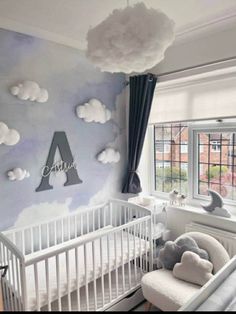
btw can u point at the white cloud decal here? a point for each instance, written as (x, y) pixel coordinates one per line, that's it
(109, 155)
(93, 111)
(133, 39)
(29, 90)
(18, 174)
(8, 136)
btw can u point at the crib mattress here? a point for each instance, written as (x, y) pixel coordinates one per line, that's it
(86, 270)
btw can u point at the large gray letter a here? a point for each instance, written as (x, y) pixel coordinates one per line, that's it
(60, 141)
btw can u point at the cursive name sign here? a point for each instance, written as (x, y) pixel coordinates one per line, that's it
(58, 167)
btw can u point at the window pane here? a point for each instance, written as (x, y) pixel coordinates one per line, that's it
(216, 168)
(171, 157)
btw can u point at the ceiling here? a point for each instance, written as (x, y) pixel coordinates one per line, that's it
(67, 21)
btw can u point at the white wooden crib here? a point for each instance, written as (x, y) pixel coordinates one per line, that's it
(87, 260)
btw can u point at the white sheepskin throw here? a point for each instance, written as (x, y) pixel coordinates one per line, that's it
(133, 39)
(193, 269)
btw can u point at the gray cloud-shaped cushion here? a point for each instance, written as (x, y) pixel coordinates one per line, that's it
(173, 251)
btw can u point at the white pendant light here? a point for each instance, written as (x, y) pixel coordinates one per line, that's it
(129, 40)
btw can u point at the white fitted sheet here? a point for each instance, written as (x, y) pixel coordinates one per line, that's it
(108, 264)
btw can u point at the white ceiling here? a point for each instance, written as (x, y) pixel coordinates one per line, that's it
(67, 21)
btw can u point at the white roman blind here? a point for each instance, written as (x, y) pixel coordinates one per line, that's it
(195, 98)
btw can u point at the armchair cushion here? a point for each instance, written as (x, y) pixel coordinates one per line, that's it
(165, 291)
(193, 269)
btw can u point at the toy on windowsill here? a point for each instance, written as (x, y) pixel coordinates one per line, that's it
(216, 205)
(181, 199)
(173, 197)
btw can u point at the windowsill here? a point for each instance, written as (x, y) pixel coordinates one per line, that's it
(199, 211)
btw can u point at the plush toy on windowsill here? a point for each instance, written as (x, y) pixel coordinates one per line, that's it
(173, 197)
(181, 199)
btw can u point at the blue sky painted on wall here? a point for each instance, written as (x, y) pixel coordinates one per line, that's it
(70, 80)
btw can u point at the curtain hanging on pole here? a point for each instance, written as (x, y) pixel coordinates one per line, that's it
(141, 94)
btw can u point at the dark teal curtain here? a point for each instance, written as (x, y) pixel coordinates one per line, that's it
(141, 94)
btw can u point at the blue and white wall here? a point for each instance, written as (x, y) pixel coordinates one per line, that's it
(70, 80)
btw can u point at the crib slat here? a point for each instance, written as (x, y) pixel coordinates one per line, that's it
(146, 256)
(94, 276)
(116, 264)
(77, 279)
(109, 267)
(140, 248)
(87, 220)
(13, 280)
(48, 284)
(135, 262)
(55, 232)
(23, 241)
(68, 280)
(102, 278)
(122, 256)
(58, 282)
(86, 277)
(81, 224)
(36, 286)
(32, 239)
(129, 270)
(48, 235)
(40, 237)
(18, 282)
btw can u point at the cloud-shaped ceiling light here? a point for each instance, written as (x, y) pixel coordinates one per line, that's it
(29, 90)
(8, 136)
(133, 39)
(18, 174)
(109, 155)
(93, 111)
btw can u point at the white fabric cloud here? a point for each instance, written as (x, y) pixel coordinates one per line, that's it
(18, 174)
(109, 155)
(29, 90)
(193, 269)
(133, 39)
(8, 136)
(93, 111)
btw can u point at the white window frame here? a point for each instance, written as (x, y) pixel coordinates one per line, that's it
(193, 129)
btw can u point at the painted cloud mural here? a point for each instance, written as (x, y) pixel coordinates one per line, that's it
(72, 80)
(109, 155)
(8, 136)
(29, 90)
(18, 174)
(93, 111)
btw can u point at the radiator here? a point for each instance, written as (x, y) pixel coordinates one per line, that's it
(226, 238)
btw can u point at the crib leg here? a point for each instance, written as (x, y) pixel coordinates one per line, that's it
(147, 306)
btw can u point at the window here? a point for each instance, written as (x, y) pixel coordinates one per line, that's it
(210, 155)
(216, 167)
(171, 166)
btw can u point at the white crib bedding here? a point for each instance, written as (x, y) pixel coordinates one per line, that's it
(115, 259)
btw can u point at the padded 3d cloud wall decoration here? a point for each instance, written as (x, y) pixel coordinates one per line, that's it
(29, 90)
(109, 155)
(8, 136)
(93, 111)
(18, 174)
(133, 39)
